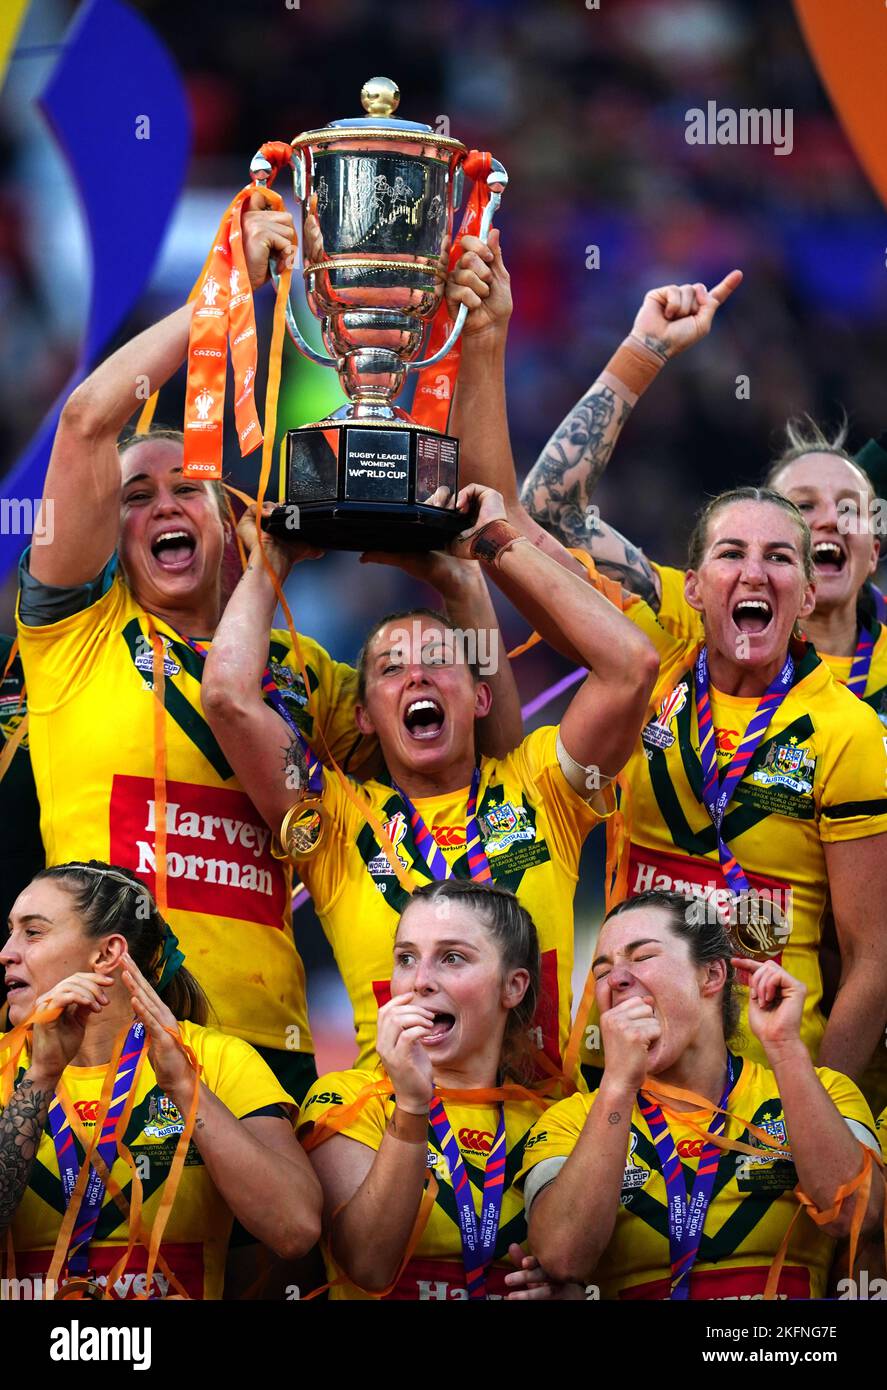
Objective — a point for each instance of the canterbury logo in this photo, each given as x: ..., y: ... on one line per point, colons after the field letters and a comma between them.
x: 478, y: 1139
x: 449, y: 836
x: 87, y: 1111
x: 690, y: 1148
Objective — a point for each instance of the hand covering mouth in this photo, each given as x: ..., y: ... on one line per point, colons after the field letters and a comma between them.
x: 442, y: 1025
x: 424, y: 718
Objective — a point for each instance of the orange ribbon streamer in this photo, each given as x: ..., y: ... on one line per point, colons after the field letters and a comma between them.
x: 861, y: 1184
x: 12, y: 743
x: 436, y: 384
x: 69, y: 1220
x: 847, y: 45
x: 227, y: 312
x: 14, y: 1043
x: 158, y: 673
x: 334, y: 1122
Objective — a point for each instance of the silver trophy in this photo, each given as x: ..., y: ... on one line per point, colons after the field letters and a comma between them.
x: 378, y: 198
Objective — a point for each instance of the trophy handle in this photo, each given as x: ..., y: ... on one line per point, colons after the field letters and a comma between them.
x: 497, y: 175
x: 260, y: 170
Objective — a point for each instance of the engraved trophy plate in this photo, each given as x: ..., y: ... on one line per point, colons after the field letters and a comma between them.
x: 380, y: 204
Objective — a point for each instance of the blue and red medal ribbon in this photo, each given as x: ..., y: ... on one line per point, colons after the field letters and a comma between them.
x: 718, y: 787
x: 435, y: 860
x: 66, y: 1153
x: 686, y: 1220
x: 478, y: 1237
x: 862, y: 663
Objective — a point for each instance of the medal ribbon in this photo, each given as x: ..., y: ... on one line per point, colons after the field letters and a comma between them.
x: 69, y: 1164
x: 686, y: 1220
x: 718, y: 787
x: 478, y: 1237
x: 862, y: 662
x: 431, y: 852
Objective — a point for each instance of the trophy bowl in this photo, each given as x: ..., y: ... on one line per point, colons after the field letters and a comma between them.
x: 378, y: 197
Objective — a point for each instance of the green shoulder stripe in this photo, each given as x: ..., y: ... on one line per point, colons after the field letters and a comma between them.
x: 738, y: 820
x: 192, y: 723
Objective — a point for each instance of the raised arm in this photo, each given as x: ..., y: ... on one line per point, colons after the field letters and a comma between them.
x: 825, y: 1152
x: 256, y: 1163
x: 83, y: 478
x: 572, y: 1216
x: 605, y: 716
x: 558, y: 489
x: 53, y: 1046
x: 556, y: 495
x: 264, y: 753
x: 371, y: 1197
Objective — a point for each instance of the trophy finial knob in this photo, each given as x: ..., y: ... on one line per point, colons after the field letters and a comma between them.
x: 380, y: 96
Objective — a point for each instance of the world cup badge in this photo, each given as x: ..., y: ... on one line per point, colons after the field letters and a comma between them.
x: 657, y: 734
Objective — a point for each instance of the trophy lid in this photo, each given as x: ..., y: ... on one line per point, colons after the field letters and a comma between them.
x: 380, y: 97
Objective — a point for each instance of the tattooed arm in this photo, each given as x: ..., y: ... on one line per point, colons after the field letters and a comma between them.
x: 558, y: 489
x: 21, y: 1126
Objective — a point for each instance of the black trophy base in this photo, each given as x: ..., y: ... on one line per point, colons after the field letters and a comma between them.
x: 360, y: 486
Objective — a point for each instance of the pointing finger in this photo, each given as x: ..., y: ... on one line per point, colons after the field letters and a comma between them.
x: 731, y: 282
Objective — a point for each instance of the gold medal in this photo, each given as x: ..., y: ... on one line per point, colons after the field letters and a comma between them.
x: 79, y: 1287
x: 757, y: 926
x: 302, y: 829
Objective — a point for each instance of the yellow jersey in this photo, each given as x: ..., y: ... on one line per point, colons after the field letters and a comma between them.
x: 818, y: 776
x: 91, y: 703
x: 195, y: 1240
x: 881, y: 1129
x: 435, y: 1270
x: 751, y: 1205
x: 678, y: 618
x: 532, y: 824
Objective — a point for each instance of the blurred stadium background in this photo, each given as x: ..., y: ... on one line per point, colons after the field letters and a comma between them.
x: 586, y: 108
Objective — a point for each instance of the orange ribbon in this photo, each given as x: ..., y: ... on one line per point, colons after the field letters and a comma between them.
x: 14, y: 1043
x: 335, y: 1121
x: 861, y: 1184
x: 847, y: 44
x: 9, y: 748
x: 435, y: 384
x: 227, y: 312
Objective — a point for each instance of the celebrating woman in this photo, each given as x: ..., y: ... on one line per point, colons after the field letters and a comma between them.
x: 627, y: 1186
x: 438, y: 809
x: 758, y: 780
x: 828, y: 485
x: 446, y: 1115
x: 88, y: 948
